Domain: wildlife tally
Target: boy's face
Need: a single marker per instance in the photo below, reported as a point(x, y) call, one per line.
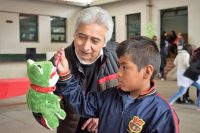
point(130, 79)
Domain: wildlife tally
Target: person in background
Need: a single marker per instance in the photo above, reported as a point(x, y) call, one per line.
point(154, 38)
point(186, 98)
point(93, 62)
point(172, 43)
point(163, 54)
point(179, 41)
point(134, 106)
point(193, 73)
point(182, 61)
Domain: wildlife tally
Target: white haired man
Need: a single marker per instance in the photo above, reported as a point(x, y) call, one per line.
point(93, 61)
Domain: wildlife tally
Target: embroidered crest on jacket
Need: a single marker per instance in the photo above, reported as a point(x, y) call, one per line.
point(135, 125)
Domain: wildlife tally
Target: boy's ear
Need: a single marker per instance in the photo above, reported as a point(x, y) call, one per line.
point(148, 71)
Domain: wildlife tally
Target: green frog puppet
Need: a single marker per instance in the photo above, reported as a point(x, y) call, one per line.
point(43, 77)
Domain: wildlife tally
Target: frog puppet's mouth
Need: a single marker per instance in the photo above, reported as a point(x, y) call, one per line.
point(53, 77)
point(53, 74)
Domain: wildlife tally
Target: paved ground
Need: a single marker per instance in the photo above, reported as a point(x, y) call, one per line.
point(16, 118)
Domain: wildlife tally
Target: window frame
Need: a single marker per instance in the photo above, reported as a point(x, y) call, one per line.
point(136, 25)
point(59, 30)
point(24, 32)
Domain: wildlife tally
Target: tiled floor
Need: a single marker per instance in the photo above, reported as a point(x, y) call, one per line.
point(16, 118)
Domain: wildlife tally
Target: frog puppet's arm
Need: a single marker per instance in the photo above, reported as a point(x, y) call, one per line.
point(40, 97)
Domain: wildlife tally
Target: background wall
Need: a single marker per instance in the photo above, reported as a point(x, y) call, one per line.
point(193, 16)
point(194, 22)
point(9, 32)
point(121, 9)
point(10, 9)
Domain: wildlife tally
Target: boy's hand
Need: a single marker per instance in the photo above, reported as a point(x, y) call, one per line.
point(91, 124)
point(61, 62)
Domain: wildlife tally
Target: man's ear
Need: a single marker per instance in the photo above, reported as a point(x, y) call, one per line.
point(105, 43)
point(148, 71)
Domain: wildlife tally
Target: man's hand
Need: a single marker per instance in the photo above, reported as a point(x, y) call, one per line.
point(91, 125)
point(61, 62)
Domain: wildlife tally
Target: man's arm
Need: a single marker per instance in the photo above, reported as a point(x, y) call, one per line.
point(63, 69)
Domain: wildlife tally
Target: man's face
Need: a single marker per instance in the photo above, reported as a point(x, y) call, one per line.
point(89, 39)
point(129, 77)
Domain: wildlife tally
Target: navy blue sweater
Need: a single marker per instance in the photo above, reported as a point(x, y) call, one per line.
point(149, 113)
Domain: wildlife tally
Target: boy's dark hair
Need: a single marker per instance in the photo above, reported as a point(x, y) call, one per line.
point(142, 50)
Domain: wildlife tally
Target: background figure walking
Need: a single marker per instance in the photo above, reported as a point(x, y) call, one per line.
point(163, 54)
point(183, 79)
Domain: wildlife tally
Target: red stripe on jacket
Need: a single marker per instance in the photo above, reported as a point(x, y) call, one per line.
point(174, 115)
point(107, 78)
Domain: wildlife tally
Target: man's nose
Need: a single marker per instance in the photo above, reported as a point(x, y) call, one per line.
point(87, 45)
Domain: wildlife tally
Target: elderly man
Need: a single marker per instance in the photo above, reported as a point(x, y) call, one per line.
point(92, 60)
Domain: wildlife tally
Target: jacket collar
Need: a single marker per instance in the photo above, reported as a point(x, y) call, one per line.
point(149, 92)
point(78, 63)
point(84, 63)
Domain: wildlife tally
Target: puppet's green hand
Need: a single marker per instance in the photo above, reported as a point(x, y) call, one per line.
point(52, 111)
point(46, 104)
point(52, 117)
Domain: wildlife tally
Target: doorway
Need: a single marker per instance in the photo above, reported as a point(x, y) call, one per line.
point(175, 19)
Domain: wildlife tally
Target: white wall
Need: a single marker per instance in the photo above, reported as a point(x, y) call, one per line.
point(193, 16)
point(10, 9)
point(121, 9)
point(9, 32)
point(194, 22)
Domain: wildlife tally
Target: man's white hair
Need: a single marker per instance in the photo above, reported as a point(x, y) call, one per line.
point(96, 15)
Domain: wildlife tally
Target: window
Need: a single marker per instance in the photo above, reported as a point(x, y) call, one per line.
point(133, 24)
point(175, 19)
point(28, 28)
point(58, 29)
point(113, 35)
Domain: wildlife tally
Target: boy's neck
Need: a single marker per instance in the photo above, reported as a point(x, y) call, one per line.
point(136, 93)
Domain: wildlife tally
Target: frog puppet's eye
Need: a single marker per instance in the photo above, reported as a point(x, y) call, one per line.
point(39, 67)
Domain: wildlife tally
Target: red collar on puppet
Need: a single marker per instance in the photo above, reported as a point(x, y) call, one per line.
point(43, 89)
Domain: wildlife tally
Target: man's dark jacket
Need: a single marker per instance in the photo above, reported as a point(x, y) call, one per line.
point(106, 78)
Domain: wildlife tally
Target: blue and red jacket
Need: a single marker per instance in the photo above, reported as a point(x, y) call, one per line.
point(149, 113)
point(105, 78)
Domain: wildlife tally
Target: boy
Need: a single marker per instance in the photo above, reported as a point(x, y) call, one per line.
point(135, 106)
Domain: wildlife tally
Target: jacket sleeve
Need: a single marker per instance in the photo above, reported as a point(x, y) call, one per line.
point(85, 105)
point(166, 123)
point(195, 66)
point(186, 60)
